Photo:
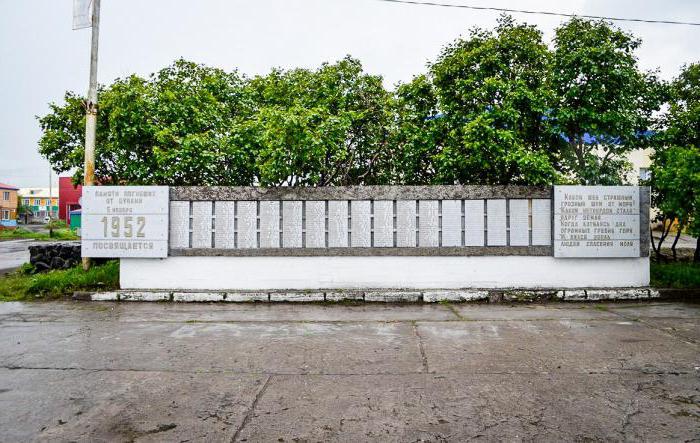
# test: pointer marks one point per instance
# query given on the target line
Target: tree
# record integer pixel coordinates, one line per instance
(322, 127)
(179, 127)
(603, 104)
(483, 112)
(675, 171)
(193, 125)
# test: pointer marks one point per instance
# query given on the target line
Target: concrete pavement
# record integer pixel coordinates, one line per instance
(300, 372)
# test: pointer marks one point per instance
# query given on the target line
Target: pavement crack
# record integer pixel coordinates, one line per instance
(421, 348)
(683, 338)
(250, 412)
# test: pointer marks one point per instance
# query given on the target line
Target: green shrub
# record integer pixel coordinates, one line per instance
(55, 284)
(675, 275)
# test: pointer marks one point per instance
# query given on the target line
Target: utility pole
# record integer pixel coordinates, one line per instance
(50, 205)
(91, 113)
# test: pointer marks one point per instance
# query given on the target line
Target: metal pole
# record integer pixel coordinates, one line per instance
(91, 114)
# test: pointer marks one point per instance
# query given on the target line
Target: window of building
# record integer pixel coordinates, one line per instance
(644, 174)
(5, 214)
(37, 202)
(26, 202)
(6, 195)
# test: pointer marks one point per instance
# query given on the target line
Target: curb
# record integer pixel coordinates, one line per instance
(393, 295)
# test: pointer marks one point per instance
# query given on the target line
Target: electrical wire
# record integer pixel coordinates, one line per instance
(558, 14)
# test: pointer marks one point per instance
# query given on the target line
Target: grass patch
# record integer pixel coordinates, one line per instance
(21, 233)
(22, 285)
(675, 275)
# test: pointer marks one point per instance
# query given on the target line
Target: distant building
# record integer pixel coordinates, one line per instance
(640, 159)
(68, 198)
(39, 203)
(8, 205)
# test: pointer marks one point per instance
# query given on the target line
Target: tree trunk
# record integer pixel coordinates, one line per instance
(675, 242)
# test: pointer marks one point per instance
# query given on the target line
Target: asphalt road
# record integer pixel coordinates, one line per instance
(13, 253)
(291, 372)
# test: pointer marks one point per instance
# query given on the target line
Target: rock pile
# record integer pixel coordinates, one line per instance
(50, 256)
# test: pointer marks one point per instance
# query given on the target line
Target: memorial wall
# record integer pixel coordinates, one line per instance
(374, 236)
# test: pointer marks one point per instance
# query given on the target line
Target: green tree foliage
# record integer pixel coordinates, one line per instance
(179, 127)
(496, 107)
(675, 171)
(599, 91)
(482, 112)
(322, 127)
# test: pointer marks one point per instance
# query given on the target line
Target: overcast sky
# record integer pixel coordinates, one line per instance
(41, 57)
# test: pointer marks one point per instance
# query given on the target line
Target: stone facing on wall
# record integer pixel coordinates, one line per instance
(373, 220)
(381, 220)
(385, 296)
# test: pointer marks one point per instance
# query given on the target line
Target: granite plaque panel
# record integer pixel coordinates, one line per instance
(383, 224)
(496, 222)
(474, 223)
(125, 221)
(247, 224)
(596, 221)
(428, 223)
(201, 224)
(179, 224)
(291, 224)
(269, 224)
(338, 223)
(224, 224)
(541, 222)
(315, 224)
(519, 219)
(451, 223)
(406, 223)
(361, 223)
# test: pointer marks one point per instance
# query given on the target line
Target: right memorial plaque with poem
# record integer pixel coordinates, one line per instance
(596, 221)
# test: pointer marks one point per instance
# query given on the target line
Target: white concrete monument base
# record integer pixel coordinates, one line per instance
(356, 272)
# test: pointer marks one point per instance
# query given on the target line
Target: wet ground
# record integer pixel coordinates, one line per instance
(292, 372)
(13, 253)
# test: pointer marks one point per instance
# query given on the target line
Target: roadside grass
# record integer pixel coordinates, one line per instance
(63, 234)
(23, 285)
(675, 275)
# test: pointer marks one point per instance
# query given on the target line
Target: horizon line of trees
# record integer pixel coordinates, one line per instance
(497, 106)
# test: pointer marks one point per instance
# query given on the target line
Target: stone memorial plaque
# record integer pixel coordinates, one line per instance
(361, 224)
(291, 224)
(247, 224)
(127, 221)
(541, 222)
(519, 222)
(383, 224)
(451, 223)
(269, 224)
(180, 224)
(596, 221)
(224, 216)
(428, 223)
(474, 223)
(315, 224)
(201, 224)
(496, 222)
(406, 223)
(338, 224)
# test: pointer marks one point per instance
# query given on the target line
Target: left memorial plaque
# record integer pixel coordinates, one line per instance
(125, 221)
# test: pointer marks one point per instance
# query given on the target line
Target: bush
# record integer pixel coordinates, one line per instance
(675, 275)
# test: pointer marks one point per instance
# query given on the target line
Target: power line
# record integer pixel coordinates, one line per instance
(558, 14)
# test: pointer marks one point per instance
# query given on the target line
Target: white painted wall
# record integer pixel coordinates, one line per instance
(261, 273)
